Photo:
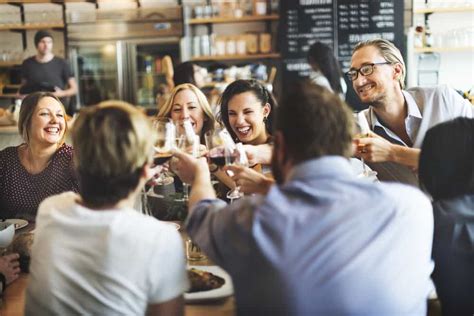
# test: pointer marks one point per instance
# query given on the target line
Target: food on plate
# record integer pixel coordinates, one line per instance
(203, 280)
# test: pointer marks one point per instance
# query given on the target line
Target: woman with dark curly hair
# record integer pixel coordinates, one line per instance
(247, 113)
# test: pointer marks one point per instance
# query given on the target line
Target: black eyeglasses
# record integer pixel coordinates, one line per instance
(365, 70)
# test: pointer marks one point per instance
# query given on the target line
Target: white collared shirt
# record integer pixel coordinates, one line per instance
(427, 107)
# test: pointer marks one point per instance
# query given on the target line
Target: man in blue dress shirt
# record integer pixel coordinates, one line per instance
(321, 241)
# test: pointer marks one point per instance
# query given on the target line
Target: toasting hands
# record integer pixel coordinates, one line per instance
(249, 180)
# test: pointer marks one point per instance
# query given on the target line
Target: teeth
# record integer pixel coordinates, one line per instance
(52, 130)
(366, 88)
(243, 130)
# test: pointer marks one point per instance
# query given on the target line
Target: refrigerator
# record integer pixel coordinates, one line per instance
(122, 58)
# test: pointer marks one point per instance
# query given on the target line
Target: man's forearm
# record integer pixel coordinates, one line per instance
(406, 156)
(201, 189)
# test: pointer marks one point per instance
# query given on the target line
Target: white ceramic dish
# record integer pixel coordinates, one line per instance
(176, 226)
(7, 231)
(19, 223)
(224, 291)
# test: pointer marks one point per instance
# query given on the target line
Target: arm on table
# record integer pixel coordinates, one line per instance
(377, 149)
(10, 267)
(173, 307)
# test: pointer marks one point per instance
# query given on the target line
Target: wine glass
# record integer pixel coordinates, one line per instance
(241, 160)
(163, 148)
(221, 147)
(165, 143)
(188, 142)
(362, 130)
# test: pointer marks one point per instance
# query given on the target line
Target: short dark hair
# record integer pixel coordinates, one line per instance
(184, 73)
(446, 166)
(240, 86)
(314, 122)
(28, 107)
(112, 141)
(322, 55)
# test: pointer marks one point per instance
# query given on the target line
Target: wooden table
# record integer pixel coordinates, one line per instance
(13, 302)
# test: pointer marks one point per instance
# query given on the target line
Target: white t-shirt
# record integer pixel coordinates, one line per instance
(108, 262)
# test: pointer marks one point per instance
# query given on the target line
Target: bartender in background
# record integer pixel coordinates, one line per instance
(46, 72)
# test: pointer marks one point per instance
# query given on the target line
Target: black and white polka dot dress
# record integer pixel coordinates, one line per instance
(22, 192)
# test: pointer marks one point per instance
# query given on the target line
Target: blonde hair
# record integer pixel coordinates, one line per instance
(112, 141)
(28, 107)
(389, 52)
(209, 121)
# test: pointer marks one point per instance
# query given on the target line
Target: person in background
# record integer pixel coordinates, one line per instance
(47, 72)
(186, 101)
(326, 70)
(41, 166)
(9, 270)
(247, 109)
(398, 118)
(93, 253)
(447, 173)
(189, 72)
(320, 242)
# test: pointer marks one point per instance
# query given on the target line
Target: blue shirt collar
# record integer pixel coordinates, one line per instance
(332, 166)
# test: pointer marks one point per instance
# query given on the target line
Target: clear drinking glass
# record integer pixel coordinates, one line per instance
(362, 130)
(188, 142)
(221, 147)
(164, 145)
(241, 160)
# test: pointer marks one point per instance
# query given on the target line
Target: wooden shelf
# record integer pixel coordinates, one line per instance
(10, 63)
(30, 26)
(249, 18)
(237, 57)
(43, 1)
(444, 49)
(8, 96)
(444, 10)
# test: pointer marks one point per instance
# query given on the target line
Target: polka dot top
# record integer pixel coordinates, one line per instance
(22, 192)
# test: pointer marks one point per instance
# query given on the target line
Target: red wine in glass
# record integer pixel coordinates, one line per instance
(161, 158)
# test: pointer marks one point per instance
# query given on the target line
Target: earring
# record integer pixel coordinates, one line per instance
(265, 120)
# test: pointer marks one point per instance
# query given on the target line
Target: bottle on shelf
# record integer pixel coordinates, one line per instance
(419, 37)
(428, 36)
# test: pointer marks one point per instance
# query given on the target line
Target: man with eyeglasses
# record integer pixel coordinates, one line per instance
(398, 118)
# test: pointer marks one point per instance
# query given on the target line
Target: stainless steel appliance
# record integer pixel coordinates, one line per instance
(118, 56)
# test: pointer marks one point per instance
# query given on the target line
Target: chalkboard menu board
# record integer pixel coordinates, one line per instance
(338, 23)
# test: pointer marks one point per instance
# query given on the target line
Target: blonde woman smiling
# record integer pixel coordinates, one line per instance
(188, 102)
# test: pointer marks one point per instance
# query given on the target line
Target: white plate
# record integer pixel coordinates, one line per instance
(224, 291)
(19, 223)
(176, 226)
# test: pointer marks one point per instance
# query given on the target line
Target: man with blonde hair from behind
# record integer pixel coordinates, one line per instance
(398, 118)
(93, 253)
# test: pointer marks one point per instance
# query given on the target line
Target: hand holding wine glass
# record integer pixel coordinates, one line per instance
(241, 160)
(165, 143)
(221, 147)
